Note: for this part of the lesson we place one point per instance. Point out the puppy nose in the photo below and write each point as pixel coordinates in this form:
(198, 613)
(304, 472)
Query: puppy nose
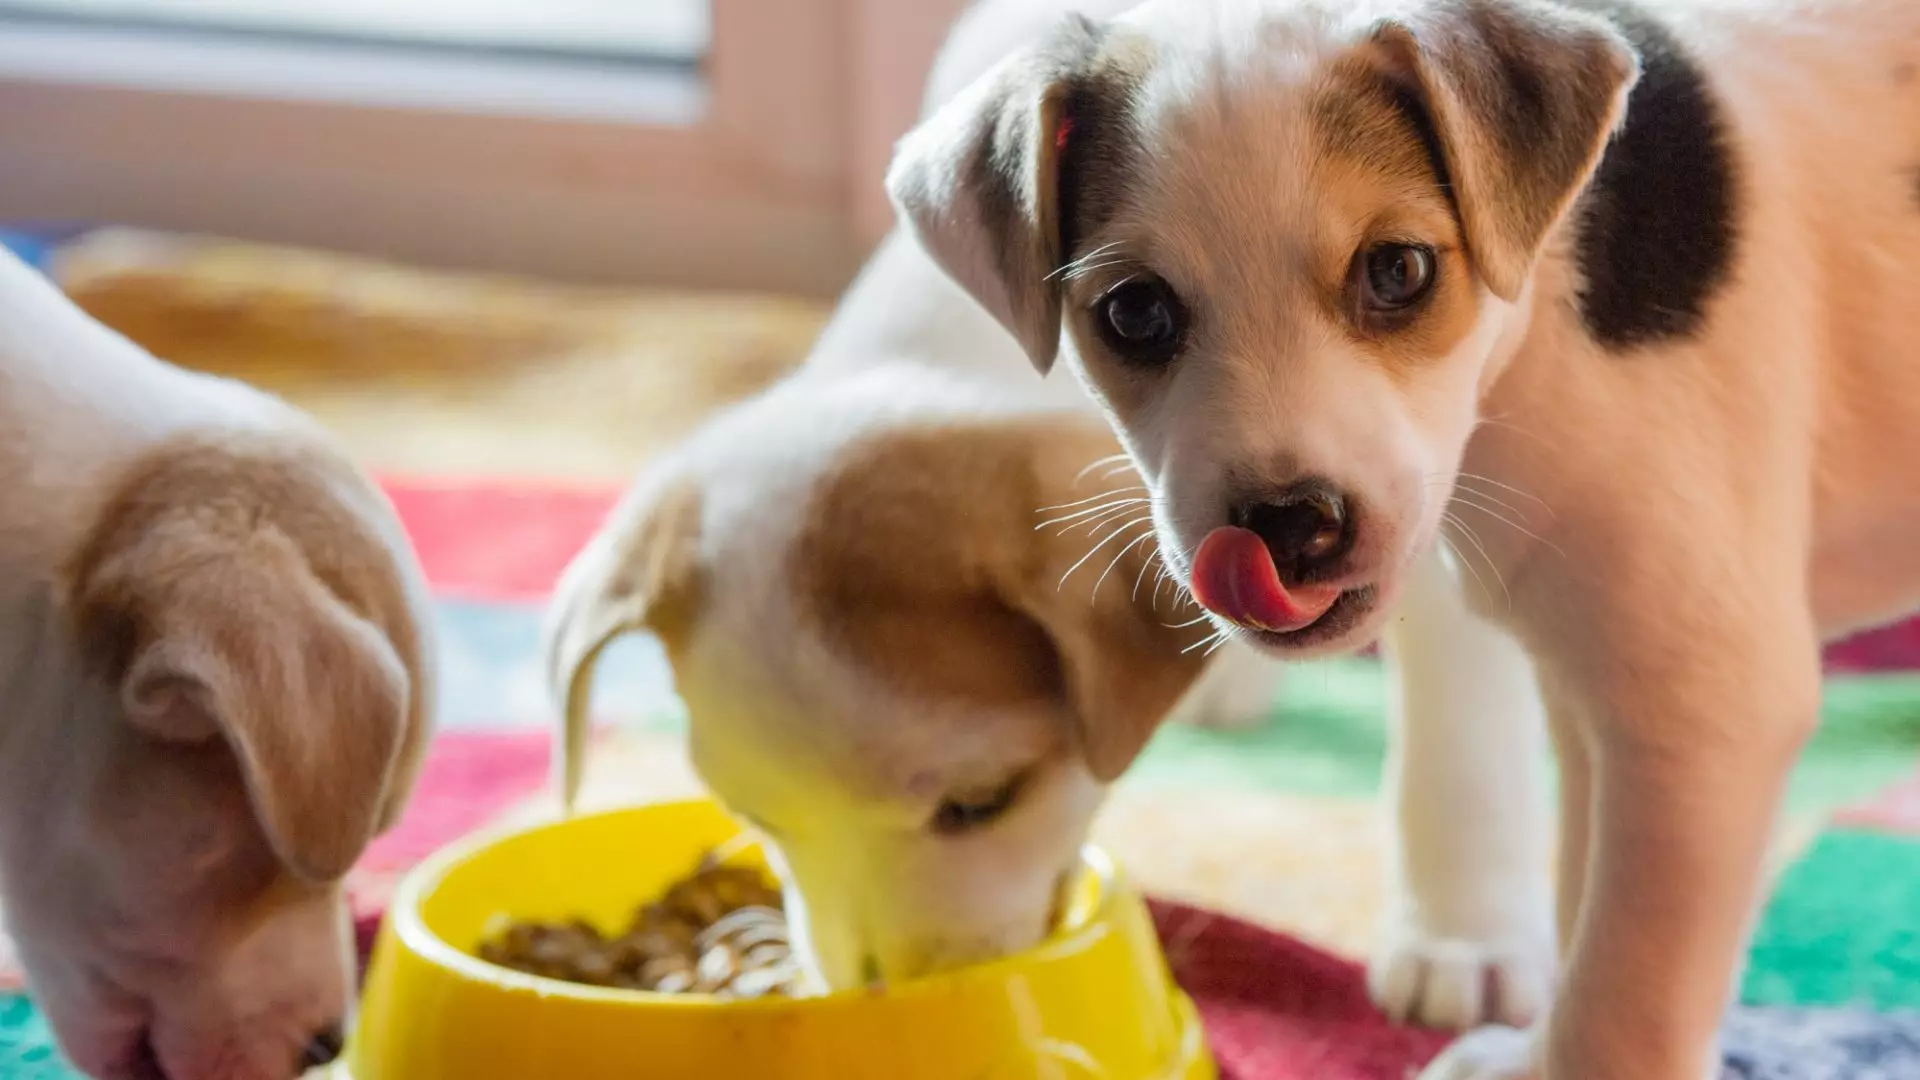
(1306, 528)
(324, 1048)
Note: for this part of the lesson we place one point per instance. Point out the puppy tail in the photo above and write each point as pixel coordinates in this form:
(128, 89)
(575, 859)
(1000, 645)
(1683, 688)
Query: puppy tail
(638, 573)
(580, 627)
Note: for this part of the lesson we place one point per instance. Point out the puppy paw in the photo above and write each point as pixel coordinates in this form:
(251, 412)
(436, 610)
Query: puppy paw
(1488, 1053)
(1456, 983)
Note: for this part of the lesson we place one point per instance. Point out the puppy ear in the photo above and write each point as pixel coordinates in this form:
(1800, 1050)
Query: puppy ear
(978, 183)
(640, 571)
(212, 634)
(1122, 668)
(1522, 97)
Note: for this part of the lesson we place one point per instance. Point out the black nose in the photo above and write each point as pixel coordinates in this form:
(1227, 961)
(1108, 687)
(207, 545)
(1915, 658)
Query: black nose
(324, 1048)
(1306, 526)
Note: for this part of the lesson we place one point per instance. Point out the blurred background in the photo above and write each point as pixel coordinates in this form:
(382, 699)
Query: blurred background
(627, 181)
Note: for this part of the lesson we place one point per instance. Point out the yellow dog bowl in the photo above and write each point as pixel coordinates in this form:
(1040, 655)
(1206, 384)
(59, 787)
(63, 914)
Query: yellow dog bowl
(1094, 1001)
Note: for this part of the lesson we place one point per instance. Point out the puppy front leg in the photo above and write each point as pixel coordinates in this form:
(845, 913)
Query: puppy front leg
(1697, 693)
(1688, 773)
(1469, 936)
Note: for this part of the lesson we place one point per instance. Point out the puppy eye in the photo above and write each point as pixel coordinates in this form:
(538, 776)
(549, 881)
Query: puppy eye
(968, 811)
(1142, 320)
(1395, 276)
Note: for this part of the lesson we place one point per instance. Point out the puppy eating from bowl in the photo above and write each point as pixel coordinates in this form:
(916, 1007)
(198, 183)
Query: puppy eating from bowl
(214, 653)
(918, 625)
(1606, 287)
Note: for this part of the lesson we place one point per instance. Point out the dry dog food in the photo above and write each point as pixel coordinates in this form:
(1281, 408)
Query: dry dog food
(721, 931)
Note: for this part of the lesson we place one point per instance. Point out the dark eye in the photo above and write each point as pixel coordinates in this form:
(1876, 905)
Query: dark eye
(1142, 320)
(966, 811)
(1395, 276)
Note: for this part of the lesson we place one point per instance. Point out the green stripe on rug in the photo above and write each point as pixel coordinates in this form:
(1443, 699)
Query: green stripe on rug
(1843, 927)
(1327, 736)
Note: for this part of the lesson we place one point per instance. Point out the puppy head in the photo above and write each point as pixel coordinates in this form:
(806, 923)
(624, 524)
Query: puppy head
(1289, 245)
(886, 674)
(249, 709)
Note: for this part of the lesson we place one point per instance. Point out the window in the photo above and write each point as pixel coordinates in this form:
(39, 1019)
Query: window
(728, 143)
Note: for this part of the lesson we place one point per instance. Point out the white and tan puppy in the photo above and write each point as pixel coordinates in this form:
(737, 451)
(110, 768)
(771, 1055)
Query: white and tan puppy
(213, 653)
(917, 636)
(1616, 285)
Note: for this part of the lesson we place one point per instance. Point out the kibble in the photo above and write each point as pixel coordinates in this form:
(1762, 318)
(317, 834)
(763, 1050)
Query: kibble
(721, 931)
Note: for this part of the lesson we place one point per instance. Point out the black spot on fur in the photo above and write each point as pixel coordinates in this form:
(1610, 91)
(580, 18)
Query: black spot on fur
(1657, 224)
(1414, 112)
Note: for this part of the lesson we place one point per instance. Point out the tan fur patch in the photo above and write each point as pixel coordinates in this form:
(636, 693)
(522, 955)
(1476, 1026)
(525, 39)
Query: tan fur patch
(920, 561)
(189, 507)
(1379, 178)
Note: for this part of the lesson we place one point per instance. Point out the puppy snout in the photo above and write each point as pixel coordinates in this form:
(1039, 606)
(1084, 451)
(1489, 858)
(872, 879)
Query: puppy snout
(324, 1047)
(1307, 527)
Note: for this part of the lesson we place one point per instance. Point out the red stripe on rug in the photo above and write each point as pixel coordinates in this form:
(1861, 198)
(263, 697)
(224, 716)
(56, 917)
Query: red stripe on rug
(468, 779)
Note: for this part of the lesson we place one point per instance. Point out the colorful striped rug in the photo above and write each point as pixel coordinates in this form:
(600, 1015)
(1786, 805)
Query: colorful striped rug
(1272, 828)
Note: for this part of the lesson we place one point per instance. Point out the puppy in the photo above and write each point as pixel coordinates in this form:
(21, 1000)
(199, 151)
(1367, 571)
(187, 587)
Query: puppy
(1607, 284)
(917, 635)
(214, 650)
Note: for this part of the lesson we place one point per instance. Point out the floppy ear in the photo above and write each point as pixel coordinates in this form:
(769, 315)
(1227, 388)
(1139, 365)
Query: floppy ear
(640, 571)
(1123, 669)
(1522, 97)
(978, 184)
(215, 635)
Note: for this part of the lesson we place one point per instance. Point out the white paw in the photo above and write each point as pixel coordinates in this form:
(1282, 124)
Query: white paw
(1488, 1053)
(1459, 983)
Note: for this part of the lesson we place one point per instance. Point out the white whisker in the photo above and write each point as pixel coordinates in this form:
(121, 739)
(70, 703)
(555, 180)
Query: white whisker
(1104, 541)
(1508, 522)
(1146, 564)
(1108, 460)
(1460, 488)
(1210, 639)
(1476, 477)
(1103, 508)
(1076, 267)
(1102, 580)
(1090, 498)
(1474, 539)
(1128, 524)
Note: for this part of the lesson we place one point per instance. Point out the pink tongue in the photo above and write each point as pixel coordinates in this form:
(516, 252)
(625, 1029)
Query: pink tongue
(1234, 577)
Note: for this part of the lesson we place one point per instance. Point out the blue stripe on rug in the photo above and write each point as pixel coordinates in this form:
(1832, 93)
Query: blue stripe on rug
(492, 673)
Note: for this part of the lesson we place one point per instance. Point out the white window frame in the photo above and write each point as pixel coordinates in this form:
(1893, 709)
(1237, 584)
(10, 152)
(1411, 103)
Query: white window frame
(764, 174)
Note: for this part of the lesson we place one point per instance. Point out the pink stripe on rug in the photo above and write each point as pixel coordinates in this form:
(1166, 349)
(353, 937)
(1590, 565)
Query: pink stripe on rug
(497, 542)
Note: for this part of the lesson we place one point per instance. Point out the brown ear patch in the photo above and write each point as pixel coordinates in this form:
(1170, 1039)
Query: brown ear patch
(1002, 183)
(231, 486)
(1382, 178)
(921, 563)
(1522, 97)
(240, 585)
